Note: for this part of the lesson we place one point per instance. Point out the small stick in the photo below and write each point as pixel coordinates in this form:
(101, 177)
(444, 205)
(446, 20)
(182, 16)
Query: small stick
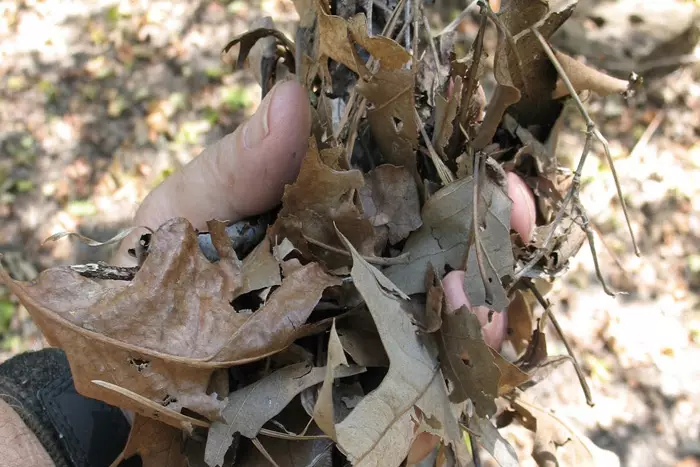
(446, 176)
(648, 133)
(426, 25)
(105, 271)
(585, 224)
(290, 436)
(590, 127)
(263, 451)
(379, 261)
(548, 311)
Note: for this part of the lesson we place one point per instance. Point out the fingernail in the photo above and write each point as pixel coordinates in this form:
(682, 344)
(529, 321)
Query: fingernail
(258, 127)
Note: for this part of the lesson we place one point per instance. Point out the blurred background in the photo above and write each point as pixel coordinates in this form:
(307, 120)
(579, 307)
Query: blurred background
(103, 99)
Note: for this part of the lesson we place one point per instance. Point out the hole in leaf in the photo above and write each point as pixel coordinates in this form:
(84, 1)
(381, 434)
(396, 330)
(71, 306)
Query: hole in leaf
(139, 364)
(398, 124)
(248, 301)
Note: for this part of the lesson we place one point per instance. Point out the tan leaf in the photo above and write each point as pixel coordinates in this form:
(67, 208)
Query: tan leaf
(319, 197)
(511, 376)
(387, 409)
(365, 347)
(390, 198)
(323, 410)
(519, 322)
(335, 34)
(156, 443)
(586, 78)
(443, 238)
(161, 335)
(259, 269)
(492, 441)
(557, 442)
(249, 408)
(445, 113)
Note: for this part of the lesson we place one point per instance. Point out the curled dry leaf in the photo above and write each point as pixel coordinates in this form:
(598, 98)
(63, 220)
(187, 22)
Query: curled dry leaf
(557, 442)
(390, 200)
(586, 78)
(249, 408)
(324, 414)
(156, 443)
(162, 334)
(387, 409)
(320, 197)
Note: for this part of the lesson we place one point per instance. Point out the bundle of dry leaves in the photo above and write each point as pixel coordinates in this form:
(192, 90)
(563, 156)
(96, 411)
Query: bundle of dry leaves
(326, 341)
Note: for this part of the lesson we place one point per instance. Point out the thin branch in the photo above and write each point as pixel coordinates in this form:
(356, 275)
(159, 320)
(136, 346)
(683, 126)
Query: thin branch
(263, 451)
(105, 271)
(455, 22)
(379, 261)
(548, 310)
(431, 41)
(289, 436)
(585, 225)
(591, 128)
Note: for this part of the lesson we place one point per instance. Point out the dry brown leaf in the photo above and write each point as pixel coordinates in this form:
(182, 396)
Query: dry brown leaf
(511, 376)
(491, 440)
(387, 409)
(442, 241)
(319, 197)
(467, 361)
(335, 34)
(156, 443)
(434, 301)
(324, 415)
(249, 408)
(536, 78)
(390, 198)
(391, 117)
(557, 442)
(162, 334)
(365, 347)
(249, 38)
(519, 321)
(586, 78)
(445, 114)
(259, 270)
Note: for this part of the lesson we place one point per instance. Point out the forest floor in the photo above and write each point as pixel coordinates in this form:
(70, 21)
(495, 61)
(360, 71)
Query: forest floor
(100, 100)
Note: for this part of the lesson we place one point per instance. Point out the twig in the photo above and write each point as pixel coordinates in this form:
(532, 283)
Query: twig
(105, 271)
(431, 41)
(444, 172)
(379, 261)
(548, 310)
(585, 225)
(290, 436)
(648, 133)
(590, 127)
(455, 22)
(478, 167)
(263, 451)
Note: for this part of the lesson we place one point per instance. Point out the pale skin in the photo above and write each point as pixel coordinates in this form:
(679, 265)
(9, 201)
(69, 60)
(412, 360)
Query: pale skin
(242, 175)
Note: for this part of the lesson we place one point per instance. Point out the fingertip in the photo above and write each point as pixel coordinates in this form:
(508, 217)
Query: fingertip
(523, 214)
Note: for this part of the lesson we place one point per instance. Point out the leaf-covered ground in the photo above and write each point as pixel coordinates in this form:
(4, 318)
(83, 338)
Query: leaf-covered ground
(101, 100)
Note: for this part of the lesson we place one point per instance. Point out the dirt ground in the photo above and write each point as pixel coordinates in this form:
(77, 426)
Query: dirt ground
(100, 100)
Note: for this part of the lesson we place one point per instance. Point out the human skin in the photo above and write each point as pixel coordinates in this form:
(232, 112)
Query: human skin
(241, 175)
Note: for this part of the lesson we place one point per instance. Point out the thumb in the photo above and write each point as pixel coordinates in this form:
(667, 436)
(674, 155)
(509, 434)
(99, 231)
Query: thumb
(245, 172)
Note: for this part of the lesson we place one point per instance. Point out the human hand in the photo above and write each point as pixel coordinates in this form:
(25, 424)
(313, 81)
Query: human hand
(244, 174)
